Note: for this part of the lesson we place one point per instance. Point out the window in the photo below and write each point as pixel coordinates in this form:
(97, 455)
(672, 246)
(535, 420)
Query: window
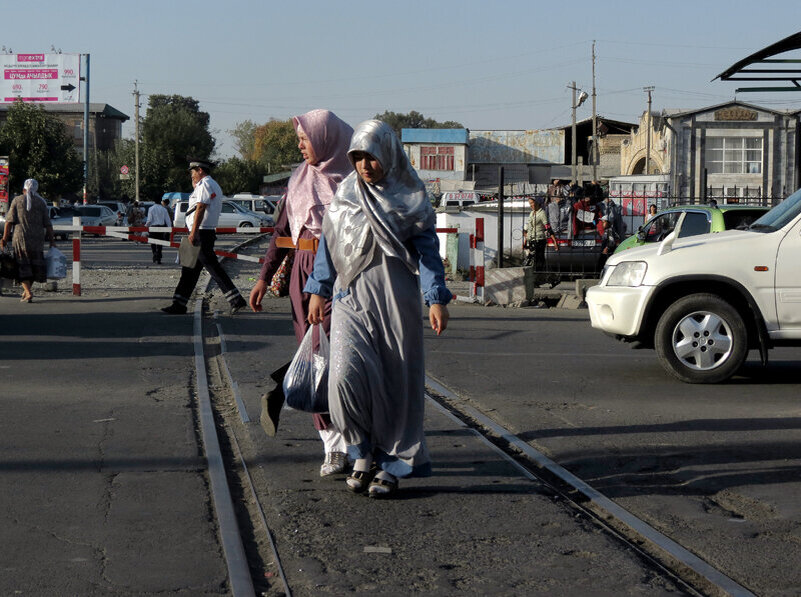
(734, 155)
(436, 158)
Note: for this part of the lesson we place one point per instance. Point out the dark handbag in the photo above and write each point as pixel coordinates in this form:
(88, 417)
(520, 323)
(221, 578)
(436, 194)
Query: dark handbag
(8, 266)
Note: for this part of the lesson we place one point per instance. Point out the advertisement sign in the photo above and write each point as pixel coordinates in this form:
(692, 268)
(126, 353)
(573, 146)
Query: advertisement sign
(40, 77)
(4, 181)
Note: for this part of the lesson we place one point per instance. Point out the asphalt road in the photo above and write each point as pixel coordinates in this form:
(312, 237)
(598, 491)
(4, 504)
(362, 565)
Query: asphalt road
(102, 482)
(716, 468)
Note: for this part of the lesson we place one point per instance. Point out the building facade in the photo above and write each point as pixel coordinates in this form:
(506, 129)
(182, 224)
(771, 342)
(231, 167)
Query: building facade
(439, 156)
(105, 123)
(734, 152)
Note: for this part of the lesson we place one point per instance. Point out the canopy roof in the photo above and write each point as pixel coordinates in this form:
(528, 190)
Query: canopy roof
(786, 69)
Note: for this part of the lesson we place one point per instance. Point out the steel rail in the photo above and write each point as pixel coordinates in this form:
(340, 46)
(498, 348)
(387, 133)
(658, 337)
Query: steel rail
(676, 553)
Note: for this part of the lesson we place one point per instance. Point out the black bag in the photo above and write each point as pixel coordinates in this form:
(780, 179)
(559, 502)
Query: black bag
(8, 266)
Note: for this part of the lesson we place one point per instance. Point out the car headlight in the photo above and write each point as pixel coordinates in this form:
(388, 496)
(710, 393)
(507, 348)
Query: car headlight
(627, 273)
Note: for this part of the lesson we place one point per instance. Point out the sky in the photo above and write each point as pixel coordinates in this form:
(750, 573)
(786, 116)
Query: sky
(504, 64)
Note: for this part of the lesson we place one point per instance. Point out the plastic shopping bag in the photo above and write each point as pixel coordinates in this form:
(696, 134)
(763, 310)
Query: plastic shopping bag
(306, 380)
(56, 264)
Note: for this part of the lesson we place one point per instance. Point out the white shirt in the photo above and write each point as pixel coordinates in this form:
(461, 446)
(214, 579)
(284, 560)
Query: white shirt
(209, 193)
(158, 215)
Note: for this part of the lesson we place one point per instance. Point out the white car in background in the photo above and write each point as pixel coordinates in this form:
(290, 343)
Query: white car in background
(231, 216)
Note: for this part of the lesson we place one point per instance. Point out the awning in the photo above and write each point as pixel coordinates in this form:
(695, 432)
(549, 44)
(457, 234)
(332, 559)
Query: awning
(782, 69)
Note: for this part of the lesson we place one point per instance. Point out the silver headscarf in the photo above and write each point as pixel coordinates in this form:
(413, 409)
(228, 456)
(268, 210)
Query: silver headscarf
(363, 216)
(29, 188)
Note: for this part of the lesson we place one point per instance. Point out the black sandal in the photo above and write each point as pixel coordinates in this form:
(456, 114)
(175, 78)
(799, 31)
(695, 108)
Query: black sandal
(382, 488)
(358, 481)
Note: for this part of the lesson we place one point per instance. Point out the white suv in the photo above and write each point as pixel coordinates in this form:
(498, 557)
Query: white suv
(703, 301)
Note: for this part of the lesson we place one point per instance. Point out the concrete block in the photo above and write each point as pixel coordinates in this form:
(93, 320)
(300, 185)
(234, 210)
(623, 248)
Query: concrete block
(583, 284)
(569, 301)
(509, 285)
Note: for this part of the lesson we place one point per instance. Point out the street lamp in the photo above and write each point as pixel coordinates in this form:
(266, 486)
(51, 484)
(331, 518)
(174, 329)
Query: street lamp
(576, 103)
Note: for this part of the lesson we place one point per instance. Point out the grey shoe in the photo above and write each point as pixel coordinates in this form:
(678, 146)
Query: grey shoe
(334, 463)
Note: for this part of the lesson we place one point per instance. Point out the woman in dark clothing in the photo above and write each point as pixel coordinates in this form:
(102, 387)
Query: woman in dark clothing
(323, 140)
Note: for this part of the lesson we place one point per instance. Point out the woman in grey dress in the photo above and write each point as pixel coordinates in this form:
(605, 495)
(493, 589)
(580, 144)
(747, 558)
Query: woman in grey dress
(29, 219)
(379, 245)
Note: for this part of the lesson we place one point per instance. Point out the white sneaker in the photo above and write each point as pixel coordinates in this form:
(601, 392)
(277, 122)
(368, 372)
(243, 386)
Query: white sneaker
(334, 463)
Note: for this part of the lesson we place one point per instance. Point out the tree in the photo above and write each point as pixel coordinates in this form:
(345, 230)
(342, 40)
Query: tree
(174, 128)
(38, 146)
(245, 139)
(239, 176)
(276, 145)
(414, 120)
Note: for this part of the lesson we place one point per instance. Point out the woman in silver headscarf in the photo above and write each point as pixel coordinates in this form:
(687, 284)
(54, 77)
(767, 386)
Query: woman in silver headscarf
(29, 220)
(379, 245)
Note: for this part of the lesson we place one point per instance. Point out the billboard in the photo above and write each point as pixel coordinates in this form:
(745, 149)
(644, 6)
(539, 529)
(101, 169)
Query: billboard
(40, 77)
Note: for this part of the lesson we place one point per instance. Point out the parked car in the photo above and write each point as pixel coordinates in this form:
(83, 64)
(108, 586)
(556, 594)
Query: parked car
(119, 209)
(702, 302)
(700, 219)
(91, 215)
(578, 257)
(258, 203)
(231, 215)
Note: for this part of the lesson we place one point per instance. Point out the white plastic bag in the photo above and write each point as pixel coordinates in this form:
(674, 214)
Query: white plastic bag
(56, 264)
(306, 380)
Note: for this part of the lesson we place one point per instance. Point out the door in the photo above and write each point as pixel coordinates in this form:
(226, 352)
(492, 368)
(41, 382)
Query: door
(788, 280)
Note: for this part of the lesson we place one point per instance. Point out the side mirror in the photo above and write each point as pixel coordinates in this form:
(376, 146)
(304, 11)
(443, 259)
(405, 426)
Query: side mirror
(640, 234)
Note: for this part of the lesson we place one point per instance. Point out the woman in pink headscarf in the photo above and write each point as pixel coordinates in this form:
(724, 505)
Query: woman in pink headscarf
(323, 140)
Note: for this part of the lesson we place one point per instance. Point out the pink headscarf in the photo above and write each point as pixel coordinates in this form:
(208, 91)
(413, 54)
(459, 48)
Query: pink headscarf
(312, 187)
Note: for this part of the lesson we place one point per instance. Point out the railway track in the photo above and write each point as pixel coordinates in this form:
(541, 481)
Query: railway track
(658, 552)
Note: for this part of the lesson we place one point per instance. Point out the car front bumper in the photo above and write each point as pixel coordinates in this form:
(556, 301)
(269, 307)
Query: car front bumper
(618, 310)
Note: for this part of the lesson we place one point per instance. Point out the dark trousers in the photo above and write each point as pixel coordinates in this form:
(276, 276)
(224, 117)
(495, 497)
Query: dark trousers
(157, 249)
(206, 259)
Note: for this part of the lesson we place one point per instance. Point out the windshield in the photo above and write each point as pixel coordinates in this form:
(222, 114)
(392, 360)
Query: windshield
(779, 216)
(92, 212)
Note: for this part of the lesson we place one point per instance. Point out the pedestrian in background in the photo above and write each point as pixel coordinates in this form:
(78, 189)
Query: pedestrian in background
(27, 223)
(158, 216)
(377, 235)
(323, 140)
(205, 204)
(536, 235)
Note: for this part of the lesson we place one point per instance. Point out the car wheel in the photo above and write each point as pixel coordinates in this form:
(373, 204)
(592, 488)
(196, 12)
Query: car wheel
(245, 225)
(701, 339)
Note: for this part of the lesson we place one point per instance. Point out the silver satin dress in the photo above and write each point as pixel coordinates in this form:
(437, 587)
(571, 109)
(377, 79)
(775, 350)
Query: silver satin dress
(377, 376)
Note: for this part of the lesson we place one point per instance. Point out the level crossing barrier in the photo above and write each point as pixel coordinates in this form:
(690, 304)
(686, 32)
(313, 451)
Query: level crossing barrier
(137, 234)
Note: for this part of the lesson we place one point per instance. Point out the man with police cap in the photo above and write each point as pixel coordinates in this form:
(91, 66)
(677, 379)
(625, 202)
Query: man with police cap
(205, 204)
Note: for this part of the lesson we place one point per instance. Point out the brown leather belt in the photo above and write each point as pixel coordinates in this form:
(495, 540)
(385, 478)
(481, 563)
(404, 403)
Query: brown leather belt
(304, 244)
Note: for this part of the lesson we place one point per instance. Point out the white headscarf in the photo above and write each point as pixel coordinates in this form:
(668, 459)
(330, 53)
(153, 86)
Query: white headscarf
(30, 187)
(385, 215)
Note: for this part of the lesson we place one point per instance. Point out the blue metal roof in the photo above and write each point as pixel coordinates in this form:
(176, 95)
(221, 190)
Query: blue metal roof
(434, 136)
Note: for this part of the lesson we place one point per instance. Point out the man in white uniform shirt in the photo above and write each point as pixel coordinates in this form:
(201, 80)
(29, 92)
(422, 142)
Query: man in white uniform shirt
(158, 215)
(205, 204)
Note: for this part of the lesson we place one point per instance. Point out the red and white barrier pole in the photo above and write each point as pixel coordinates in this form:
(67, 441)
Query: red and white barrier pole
(478, 261)
(76, 257)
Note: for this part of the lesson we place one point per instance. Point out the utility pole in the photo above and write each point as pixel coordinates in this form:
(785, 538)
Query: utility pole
(648, 90)
(575, 104)
(85, 79)
(595, 153)
(136, 141)
(573, 176)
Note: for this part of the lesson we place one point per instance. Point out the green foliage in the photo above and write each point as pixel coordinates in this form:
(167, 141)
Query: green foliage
(239, 176)
(276, 145)
(174, 128)
(244, 134)
(38, 147)
(414, 120)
